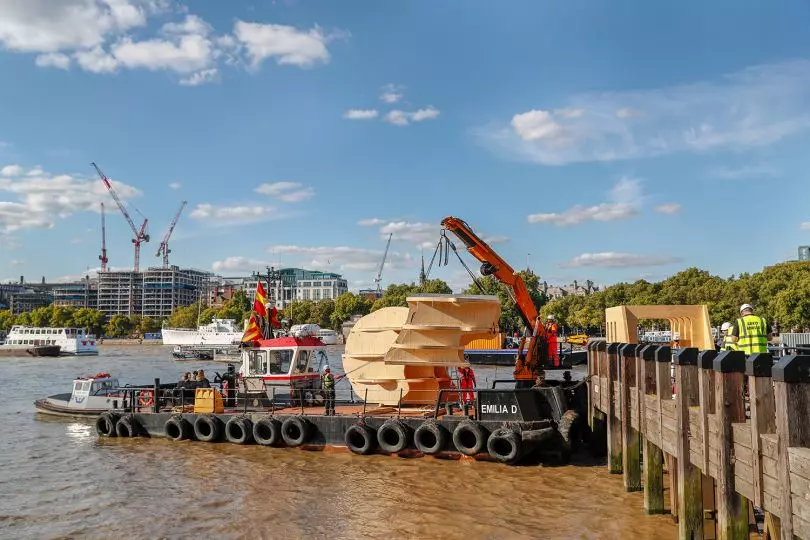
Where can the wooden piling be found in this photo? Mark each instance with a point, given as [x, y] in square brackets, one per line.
[689, 487]
[758, 369]
[614, 425]
[653, 462]
[791, 377]
[631, 446]
[732, 508]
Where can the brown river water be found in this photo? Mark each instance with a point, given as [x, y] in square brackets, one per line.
[59, 480]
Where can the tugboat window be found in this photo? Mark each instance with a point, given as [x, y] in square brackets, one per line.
[302, 362]
[258, 363]
[280, 362]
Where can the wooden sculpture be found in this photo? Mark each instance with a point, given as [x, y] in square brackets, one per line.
[690, 322]
[404, 354]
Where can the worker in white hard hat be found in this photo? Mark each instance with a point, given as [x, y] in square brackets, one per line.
[328, 389]
[750, 332]
[551, 339]
[727, 340]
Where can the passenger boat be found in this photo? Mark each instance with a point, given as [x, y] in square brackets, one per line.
[219, 332]
[71, 341]
[93, 395]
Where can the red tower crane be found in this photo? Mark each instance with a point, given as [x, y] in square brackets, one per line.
[140, 234]
[164, 244]
[103, 256]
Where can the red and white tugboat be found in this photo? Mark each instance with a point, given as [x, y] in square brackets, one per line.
[286, 366]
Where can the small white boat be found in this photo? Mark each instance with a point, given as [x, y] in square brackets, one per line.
[91, 396]
[219, 332]
[71, 341]
[329, 337]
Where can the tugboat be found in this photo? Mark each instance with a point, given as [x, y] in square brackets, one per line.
[93, 395]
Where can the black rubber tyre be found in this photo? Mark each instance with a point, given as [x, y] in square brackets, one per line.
[127, 426]
[505, 445]
[267, 431]
[239, 430]
[105, 424]
[208, 428]
[430, 438]
[394, 436]
[178, 428]
[470, 437]
[360, 439]
[296, 431]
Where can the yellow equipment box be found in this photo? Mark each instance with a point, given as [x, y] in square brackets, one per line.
[208, 400]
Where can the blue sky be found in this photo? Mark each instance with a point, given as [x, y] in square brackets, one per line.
[609, 140]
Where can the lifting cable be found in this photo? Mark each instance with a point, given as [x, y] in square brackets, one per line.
[443, 248]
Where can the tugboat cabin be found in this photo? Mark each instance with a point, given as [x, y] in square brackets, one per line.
[286, 362]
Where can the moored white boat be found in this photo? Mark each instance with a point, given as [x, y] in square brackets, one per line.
[218, 332]
[91, 396]
[71, 341]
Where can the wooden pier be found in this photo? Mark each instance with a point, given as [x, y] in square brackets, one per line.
[732, 432]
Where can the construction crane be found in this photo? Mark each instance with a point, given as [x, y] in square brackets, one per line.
[163, 249]
[103, 256]
[378, 279]
[140, 234]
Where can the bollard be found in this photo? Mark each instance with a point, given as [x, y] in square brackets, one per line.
[732, 508]
[631, 447]
[690, 493]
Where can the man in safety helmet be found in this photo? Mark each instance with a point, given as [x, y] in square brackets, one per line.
[750, 332]
[328, 388]
[551, 337]
[726, 339]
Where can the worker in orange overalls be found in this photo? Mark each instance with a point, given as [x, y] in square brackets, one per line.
[551, 337]
[466, 381]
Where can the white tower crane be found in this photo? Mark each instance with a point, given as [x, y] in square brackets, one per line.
[378, 279]
[163, 249]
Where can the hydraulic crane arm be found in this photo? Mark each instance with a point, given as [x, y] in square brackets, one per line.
[493, 264]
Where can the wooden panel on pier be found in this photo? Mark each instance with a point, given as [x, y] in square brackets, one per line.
[634, 408]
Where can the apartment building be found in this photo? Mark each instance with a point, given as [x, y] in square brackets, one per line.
[290, 284]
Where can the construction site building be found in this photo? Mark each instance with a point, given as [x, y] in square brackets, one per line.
[83, 294]
[166, 289]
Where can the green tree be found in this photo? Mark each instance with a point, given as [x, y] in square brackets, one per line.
[184, 317]
[237, 307]
[322, 313]
[348, 304]
[208, 315]
[396, 294]
[148, 325]
[511, 319]
[7, 320]
[119, 326]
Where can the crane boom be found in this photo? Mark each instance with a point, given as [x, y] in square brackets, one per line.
[164, 244]
[378, 279]
[103, 256]
[140, 234]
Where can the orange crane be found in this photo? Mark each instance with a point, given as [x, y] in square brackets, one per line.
[535, 359]
[163, 249]
[103, 256]
[140, 234]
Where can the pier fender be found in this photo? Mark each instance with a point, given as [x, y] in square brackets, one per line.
[127, 426]
[505, 445]
[296, 430]
[207, 428]
[267, 431]
[393, 436]
[430, 437]
[360, 439]
[105, 424]
[178, 428]
[239, 430]
[470, 437]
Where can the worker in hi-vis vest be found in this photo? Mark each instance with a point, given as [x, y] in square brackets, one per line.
[750, 332]
[727, 340]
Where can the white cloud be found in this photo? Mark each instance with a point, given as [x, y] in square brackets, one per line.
[805, 226]
[391, 93]
[17, 262]
[286, 44]
[612, 259]
[240, 264]
[360, 114]
[97, 34]
[417, 232]
[625, 203]
[11, 170]
[495, 239]
[403, 118]
[760, 170]
[752, 107]
[232, 215]
[370, 222]
[201, 77]
[42, 198]
[175, 185]
[669, 209]
[343, 257]
[56, 60]
[286, 191]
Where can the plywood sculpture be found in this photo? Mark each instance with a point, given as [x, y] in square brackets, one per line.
[692, 323]
[404, 353]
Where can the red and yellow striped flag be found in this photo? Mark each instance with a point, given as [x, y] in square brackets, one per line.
[260, 303]
[252, 331]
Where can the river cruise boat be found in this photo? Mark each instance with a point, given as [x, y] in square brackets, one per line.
[219, 332]
[71, 341]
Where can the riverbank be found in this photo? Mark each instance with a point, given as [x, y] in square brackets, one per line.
[125, 341]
